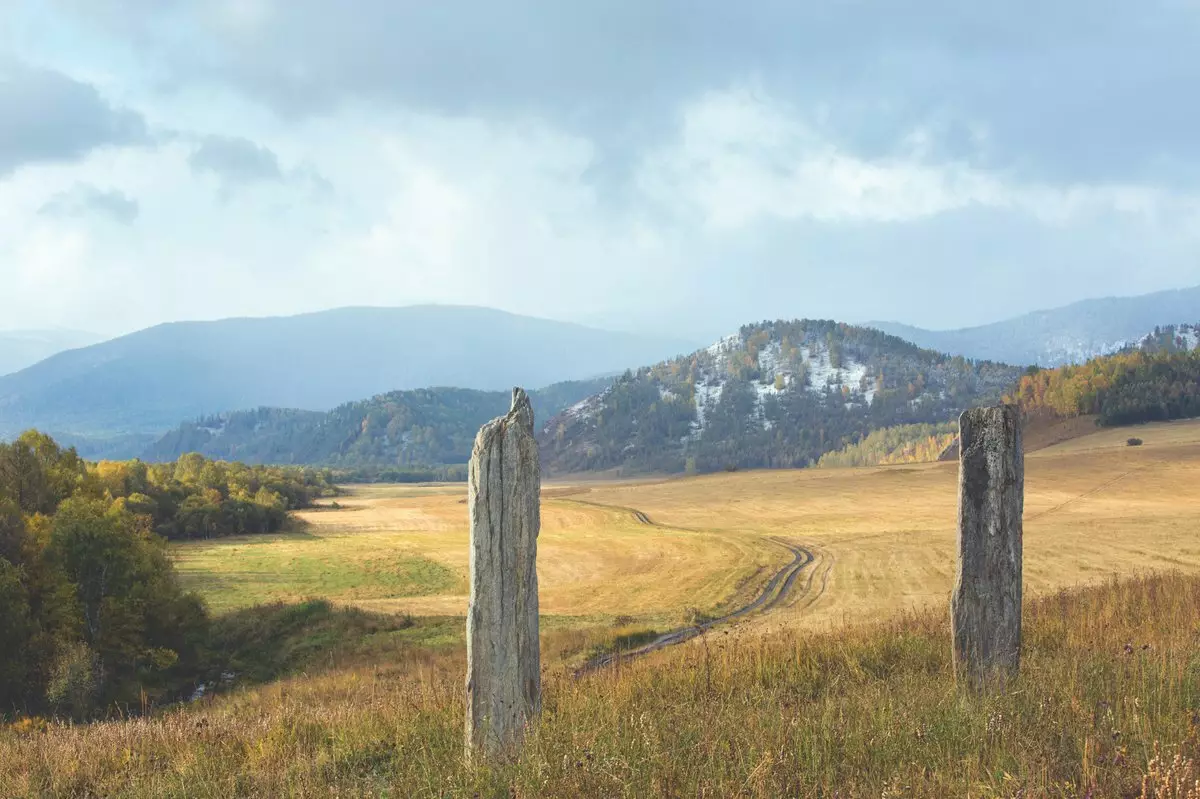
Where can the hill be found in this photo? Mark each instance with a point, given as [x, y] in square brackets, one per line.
[775, 394]
[22, 348]
[147, 382]
[1070, 334]
[422, 427]
[1130, 387]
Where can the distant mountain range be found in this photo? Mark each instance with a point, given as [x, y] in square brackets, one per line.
[147, 382]
[22, 348]
[1071, 334]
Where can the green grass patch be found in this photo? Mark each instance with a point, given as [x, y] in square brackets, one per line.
[266, 642]
[239, 573]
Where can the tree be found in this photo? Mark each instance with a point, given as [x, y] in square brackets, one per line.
[15, 630]
[135, 618]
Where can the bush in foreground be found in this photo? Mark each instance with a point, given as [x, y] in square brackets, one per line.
[1108, 673]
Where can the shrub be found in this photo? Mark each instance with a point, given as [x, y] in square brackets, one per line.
[1134, 442]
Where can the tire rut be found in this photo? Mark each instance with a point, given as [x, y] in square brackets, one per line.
[777, 591]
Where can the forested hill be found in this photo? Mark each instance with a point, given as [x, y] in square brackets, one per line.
[1158, 382]
[776, 394]
[425, 427]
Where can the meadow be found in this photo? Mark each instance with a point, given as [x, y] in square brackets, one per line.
[884, 538]
[843, 690]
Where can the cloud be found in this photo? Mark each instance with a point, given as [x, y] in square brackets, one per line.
[742, 156]
[48, 116]
[1078, 91]
[84, 199]
[236, 160]
[649, 166]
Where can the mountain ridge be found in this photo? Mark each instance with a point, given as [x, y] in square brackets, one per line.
[148, 381]
[23, 348]
[1051, 337]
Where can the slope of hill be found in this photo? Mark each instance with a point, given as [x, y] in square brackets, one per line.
[1071, 334]
[907, 443]
[149, 381]
[22, 348]
[423, 427]
[1143, 385]
[776, 394]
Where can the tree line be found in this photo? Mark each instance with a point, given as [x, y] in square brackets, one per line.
[1125, 388]
[913, 443]
[92, 615]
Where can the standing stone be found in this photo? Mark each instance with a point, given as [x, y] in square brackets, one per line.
[504, 689]
[985, 607]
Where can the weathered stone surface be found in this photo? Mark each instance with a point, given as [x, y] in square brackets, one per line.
[985, 607]
[504, 690]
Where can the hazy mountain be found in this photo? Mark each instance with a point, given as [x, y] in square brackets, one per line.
[776, 394]
[149, 381]
[1070, 334]
[424, 427]
[21, 348]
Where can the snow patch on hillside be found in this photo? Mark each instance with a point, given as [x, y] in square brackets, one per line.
[707, 396]
[775, 376]
[823, 375]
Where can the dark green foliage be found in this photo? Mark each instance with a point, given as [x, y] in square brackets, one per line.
[1134, 442]
[16, 627]
[762, 402]
[91, 615]
[1159, 388]
[402, 436]
[450, 473]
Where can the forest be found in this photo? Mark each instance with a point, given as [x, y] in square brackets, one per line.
[91, 614]
[1125, 388]
[914, 443]
[406, 435]
[776, 395]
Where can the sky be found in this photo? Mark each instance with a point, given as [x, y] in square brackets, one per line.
[667, 166]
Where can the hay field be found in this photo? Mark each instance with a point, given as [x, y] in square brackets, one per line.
[1094, 507]
[884, 537]
[404, 549]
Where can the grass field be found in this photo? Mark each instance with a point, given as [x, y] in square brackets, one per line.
[404, 549]
[791, 703]
[884, 537]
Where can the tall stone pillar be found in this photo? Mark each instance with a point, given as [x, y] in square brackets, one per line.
[504, 691]
[985, 607]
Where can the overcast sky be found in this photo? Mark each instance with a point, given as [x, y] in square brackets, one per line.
[662, 165]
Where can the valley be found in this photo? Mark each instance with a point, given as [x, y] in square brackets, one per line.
[1095, 508]
[843, 681]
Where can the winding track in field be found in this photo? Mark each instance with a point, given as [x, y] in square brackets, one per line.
[780, 588]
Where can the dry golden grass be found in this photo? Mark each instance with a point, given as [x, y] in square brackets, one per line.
[1094, 507]
[404, 549]
[771, 708]
[1108, 675]
[885, 536]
